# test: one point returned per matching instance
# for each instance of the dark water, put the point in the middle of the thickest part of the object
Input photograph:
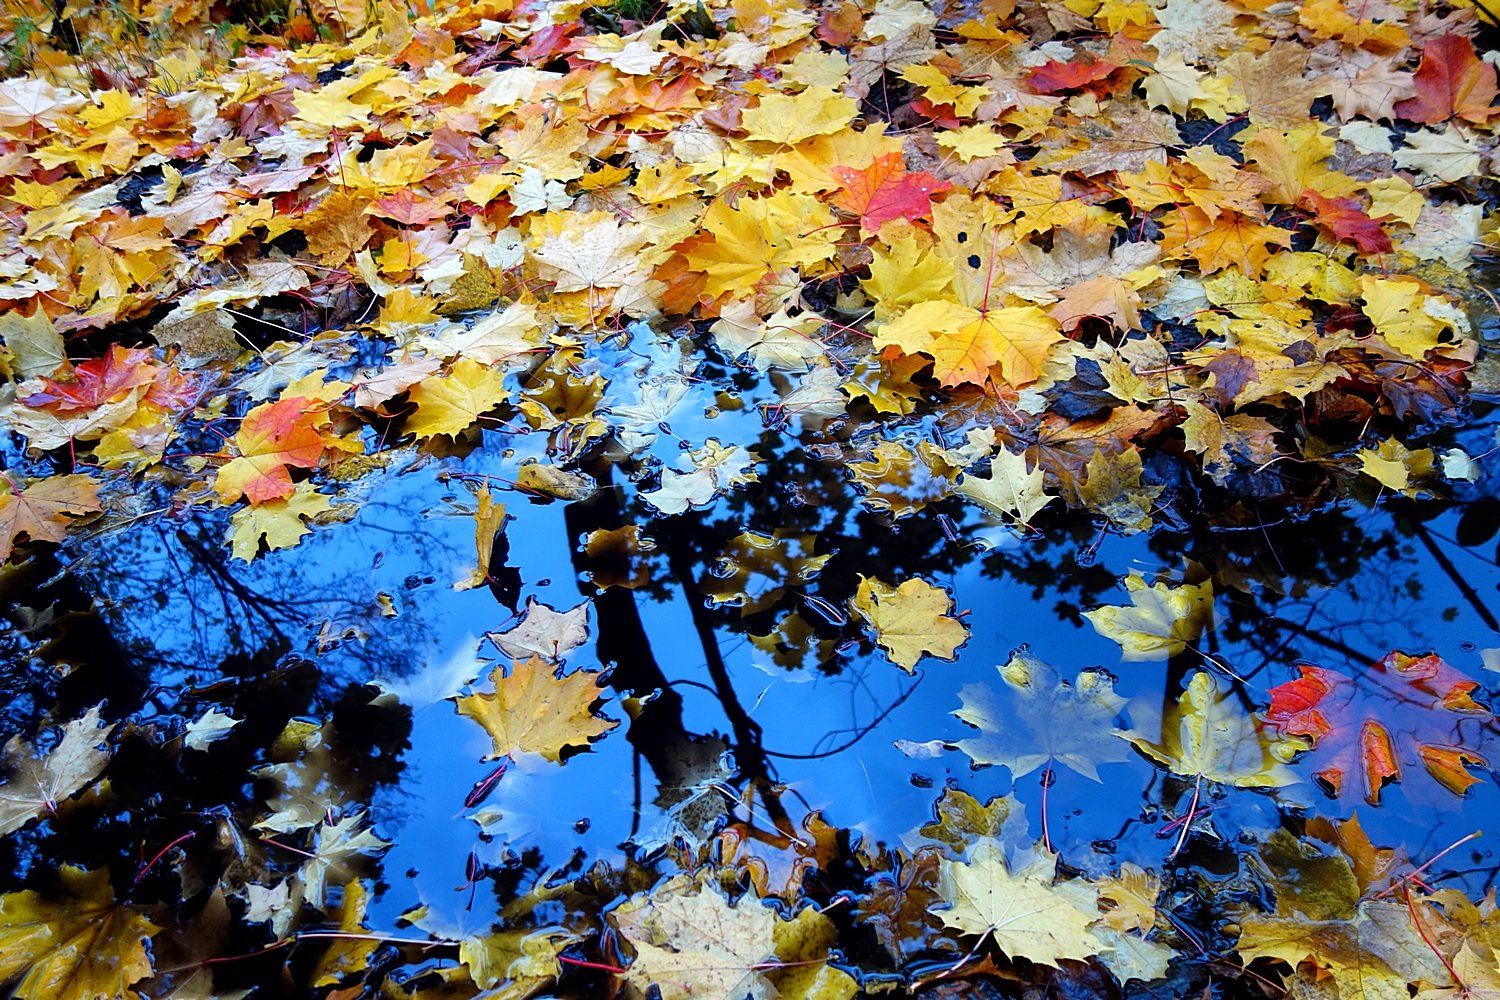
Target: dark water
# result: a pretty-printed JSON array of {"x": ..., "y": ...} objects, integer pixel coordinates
[{"x": 309, "y": 634}]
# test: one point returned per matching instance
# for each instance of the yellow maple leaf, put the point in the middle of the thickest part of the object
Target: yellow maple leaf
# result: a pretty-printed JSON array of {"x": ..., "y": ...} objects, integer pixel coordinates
[
  {"x": 1160, "y": 620},
  {"x": 788, "y": 120},
  {"x": 280, "y": 522},
  {"x": 532, "y": 710},
  {"x": 965, "y": 344},
  {"x": 910, "y": 621},
  {"x": 1396, "y": 307},
  {"x": 82, "y": 944},
  {"x": 1024, "y": 913},
  {"x": 1393, "y": 465},
  {"x": 761, "y": 235},
  {"x": 448, "y": 404}
]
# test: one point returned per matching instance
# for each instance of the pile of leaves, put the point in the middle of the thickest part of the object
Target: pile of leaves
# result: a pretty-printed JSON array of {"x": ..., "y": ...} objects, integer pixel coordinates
[{"x": 1157, "y": 263}]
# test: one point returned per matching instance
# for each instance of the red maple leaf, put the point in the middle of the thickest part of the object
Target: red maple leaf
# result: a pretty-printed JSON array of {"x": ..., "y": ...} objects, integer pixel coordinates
[
  {"x": 884, "y": 191},
  {"x": 1345, "y": 219},
  {"x": 1405, "y": 716},
  {"x": 1452, "y": 80},
  {"x": 95, "y": 382},
  {"x": 1056, "y": 75}
]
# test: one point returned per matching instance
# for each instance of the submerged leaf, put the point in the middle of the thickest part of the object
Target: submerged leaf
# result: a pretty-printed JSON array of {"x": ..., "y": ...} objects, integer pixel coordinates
[{"x": 1023, "y": 727}]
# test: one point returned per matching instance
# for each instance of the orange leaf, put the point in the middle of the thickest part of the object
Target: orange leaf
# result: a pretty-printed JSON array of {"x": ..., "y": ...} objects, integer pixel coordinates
[
  {"x": 43, "y": 510},
  {"x": 405, "y": 207},
  {"x": 1055, "y": 75},
  {"x": 273, "y": 439},
  {"x": 1402, "y": 717},
  {"x": 884, "y": 191},
  {"x": 95, "y": 382}
]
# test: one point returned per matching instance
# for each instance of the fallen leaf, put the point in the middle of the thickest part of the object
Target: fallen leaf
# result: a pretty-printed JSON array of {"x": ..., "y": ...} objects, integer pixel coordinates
[
  {"x": 78, "y": 945},
  {"x": 1022, "y": 912},
  {"x": 1208, "y": 735},
  {"x": 37, "y": 782},
  {"x": 44, "y": 509},
  {"x": 532, "y": 710},
  {"x": 1160, "y": 620},
  {"x": 909, "y": 621}
]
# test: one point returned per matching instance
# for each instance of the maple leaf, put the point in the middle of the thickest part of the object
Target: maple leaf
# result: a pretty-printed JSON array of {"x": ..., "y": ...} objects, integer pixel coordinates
[
  {"x": 1393, "y": 465},
  {"x": 759, "y": 236},
  {"x": 717, "y": 469},
  {"x": 966, "y": 344},
  {"x": 526, "y": 960},
  {"x": 910, "y": 621},
  {"x": 1208, "y": 735},
  {"x": 281, "y": 523},
  {"x": 1159, "y": 622},
  {"x": 787, "y": 120},
  {"x": 689, "y": 941},
  {"x": 884, "y": 191},
  {"x": 1056, "y": 75},
  {"x": 450, "y": 403},
  {"x": 38, "y": 782},
  {"x": 1011, "y": 490},
  {"x": 273, "y": 439},
  {"x": 1024, "y": 913},
  {"x": 348, "y": 956},
  {"x": 81, "y": 944},
  {"x": 1021, "y": 730},
  {"x": 1405, "y": 716},
  {"x": 543, "y": 631},
  {"x": 532, "y": 710},
  {"x": 44, "y": 509},
  {"x": 95, "y": 382},
  {"x": 1451, "y": 81},
  {"x": 336, "y": 851},
  {"x": 755, "y": 569},
  {"x": 1344, "y": 219}
]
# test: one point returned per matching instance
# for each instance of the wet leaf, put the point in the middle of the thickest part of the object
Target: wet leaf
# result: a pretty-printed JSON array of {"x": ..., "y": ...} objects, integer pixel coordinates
[
  {"x": 1020, "y": 724},
  {"x": 1022, "y": 912},
  {"x": 1160, "y": 621},
  {"x": 79, "y": 945},
  {"x": 532, "y": 710},
  {"x": 690, "y": 941},
  {"x": 910, "y": 621},
  {"x": 44, "y": 509},
  {"x": 544, "y": 632},
  {"x": 37, "y": 782}
]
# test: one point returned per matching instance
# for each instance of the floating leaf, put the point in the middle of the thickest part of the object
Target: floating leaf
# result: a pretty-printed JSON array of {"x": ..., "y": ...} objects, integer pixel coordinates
[
  {"x": 1207, "y": 734},
  {"x": 79, "y": 945},
  {"x": 1160, "y": 621},
  {"x": 532, "y": 710},
  {"x": 1023, "y": 912},
  {"x": 910, "y": 621}
]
